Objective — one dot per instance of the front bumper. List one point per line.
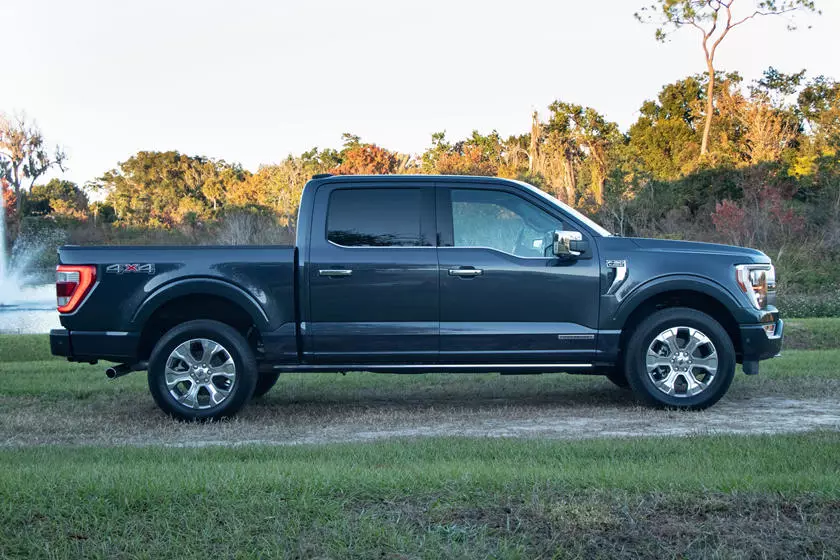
(757, 344)
(89, 346)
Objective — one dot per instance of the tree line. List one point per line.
(773, 145)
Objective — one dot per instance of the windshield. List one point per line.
(568, 209)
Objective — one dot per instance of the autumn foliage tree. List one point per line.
(477, 155)
(24, 155)
(7, 202)
(714, 20)
(366, 159)
(278, 187)
(588, 133)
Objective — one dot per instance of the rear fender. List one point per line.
(200, 286)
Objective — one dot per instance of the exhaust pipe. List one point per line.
(124, 369)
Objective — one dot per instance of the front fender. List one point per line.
(200, 286)
(623, 308)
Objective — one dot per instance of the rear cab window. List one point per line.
(376, 217)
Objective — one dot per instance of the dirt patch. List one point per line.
(123, 420)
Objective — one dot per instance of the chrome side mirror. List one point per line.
(568, 244)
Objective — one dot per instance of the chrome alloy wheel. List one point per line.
(200, 373)
(681, 362)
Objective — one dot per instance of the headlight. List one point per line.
(758, 281)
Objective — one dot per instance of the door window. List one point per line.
(374, 217)
(503, 221)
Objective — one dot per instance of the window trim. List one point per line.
(502, 252)
(334, 244)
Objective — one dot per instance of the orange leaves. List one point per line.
(366, 159)
(470, 161)
(8, 195)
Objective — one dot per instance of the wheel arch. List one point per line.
(693, 293)
(192, 299)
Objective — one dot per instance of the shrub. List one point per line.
(810, 305)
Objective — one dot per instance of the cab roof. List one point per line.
(327, 177)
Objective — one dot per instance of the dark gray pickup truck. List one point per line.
(408, 274)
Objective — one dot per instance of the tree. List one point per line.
(366, 159)
(58, 197)
(708, 16)
(769, 125)
(587, 131)
(278, 187)
(477, 155)
(819, 103)
(666, 138)
(24, 156)
(7, 212)
(164, 189)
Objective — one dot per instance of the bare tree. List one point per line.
(714, 20)
(24, 156)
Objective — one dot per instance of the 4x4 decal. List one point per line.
(131, 268)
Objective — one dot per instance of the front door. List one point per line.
(504, 296)
(373, 275)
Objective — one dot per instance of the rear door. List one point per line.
(504, 296)
(373, 274)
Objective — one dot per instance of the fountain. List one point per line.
(2, 234)
(27, 305)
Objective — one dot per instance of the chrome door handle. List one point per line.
(334, 273)
(466, 272)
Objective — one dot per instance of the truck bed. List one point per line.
(133, 283)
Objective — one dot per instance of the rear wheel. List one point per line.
(265, 382)
(202, 370)
(680, 358)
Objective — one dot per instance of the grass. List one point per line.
(428, 498)
(701, 496)
(812, 334)
(25, 348)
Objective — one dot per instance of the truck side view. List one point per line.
(416, 274)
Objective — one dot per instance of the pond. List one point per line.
(28, 310)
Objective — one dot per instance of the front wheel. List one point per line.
(617, 376)
(680, 358)
(202, 370)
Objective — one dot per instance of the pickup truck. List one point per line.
(417, 274)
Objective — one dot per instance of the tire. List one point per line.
(228, 376)
(265, 381)
(651, 363)
(617, 376)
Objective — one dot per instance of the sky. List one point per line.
(251, 81)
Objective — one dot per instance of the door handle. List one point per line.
(334, 273)
(466, 272)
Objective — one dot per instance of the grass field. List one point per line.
(724, 496)
(436, 498)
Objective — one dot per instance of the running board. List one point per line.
(429, 368)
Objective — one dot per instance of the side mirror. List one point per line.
(569, 244)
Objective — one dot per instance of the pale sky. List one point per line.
(254, 80)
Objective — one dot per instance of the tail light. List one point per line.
(72, 284)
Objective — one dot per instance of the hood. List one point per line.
(694, 247)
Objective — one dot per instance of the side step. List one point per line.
(430, 368)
